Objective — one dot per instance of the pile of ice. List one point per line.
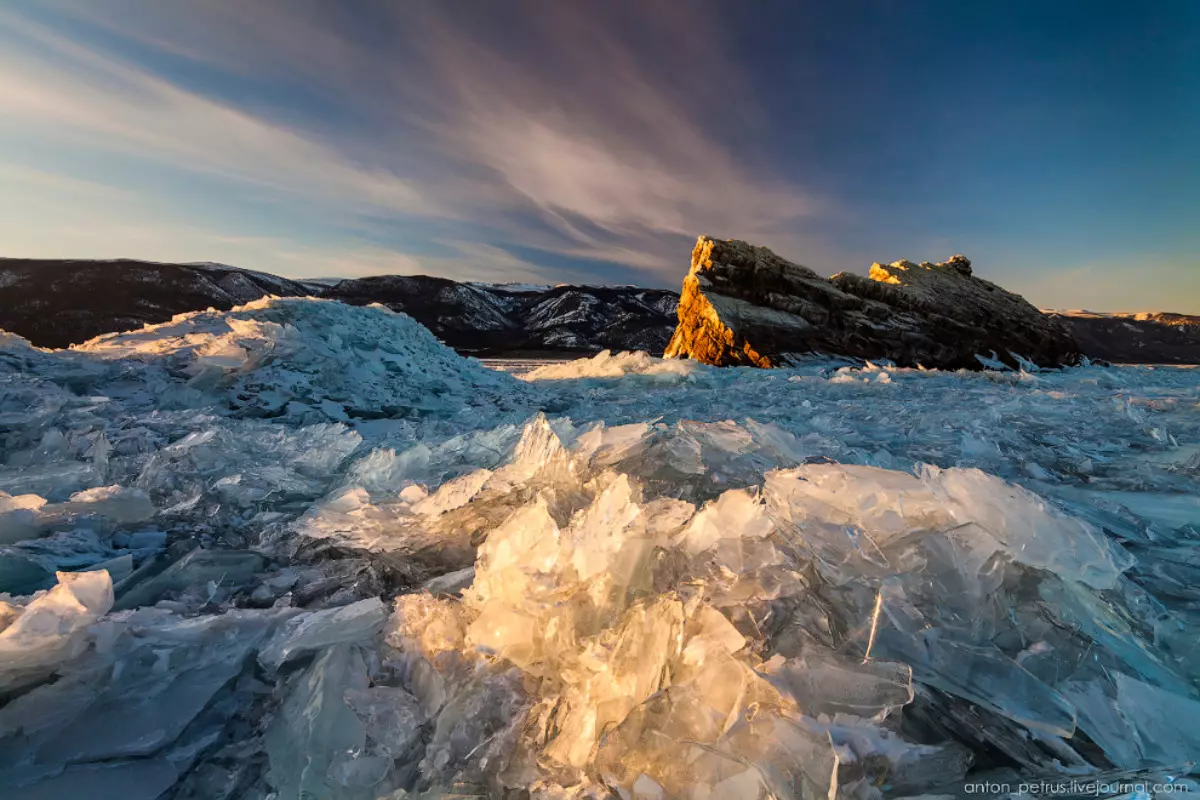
(300, 356)
(215, 425)
(251, 555)
(778, 641)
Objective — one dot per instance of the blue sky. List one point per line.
(1056, 144)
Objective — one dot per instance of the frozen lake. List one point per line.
(302, 549)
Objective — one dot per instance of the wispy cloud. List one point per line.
(527, 139)
(23, 179)
(56, 88)
(606, 157)
(622, 157)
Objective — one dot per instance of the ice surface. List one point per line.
(301, 549)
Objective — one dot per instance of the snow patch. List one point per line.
(605, 364)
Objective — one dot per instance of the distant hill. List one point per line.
(493, 319)
(58, 303)
(1143, 338)
(55, 303)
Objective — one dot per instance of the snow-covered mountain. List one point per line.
(56, 303)
(490, 319)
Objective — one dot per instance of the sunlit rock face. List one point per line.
(745, 306)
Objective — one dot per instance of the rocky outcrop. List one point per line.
(744, 305)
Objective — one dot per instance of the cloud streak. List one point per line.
(601, 158)
(618, 154)
(54, 87)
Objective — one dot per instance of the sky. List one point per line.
(1056, 144)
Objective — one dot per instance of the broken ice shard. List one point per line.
(194, 571)
(982, 675)
(319, 630)
(50, 627)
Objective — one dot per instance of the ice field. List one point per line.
(302, 550)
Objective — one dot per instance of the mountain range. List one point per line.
(56, 303)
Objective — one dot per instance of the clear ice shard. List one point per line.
(147, 723)
(323, 629)
(982, 675)
(160, 687)
(118, 503)
(127, 780)
(1136, 723)
(21, 574)
(19, 517)
(1166, 725)
(822, 684)
(195, 571)
(857, 511)
(316, 743)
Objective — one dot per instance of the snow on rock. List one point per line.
(479, 317)
(562, 310)
(1135, 338)
(56, 303)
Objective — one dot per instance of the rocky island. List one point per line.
(743, 305)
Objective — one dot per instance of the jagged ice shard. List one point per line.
(301, 549)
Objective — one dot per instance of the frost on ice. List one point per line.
(300, 549)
